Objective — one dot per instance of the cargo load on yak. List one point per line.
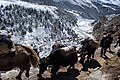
(6, 44)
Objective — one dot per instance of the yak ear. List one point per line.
(47, 60)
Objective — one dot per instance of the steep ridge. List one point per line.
(106, 24)
(90, 9)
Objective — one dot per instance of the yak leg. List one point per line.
(92, 55)
(82, 58)
(27, 70)
(19, 75)
(71, 67)
(72, 60)
(54, 70)
(93, 52)
(89, 56)
(27, 73)
(42, 68)
(0, 75)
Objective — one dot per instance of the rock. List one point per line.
(106, 24)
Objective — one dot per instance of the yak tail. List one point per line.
(34, 59)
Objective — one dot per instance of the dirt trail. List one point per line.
(96, 69)
(110, 68)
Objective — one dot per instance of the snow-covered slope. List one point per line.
(90, 2)
(114, 2)
(78, 2)
(93, 8)
(90, 9)
(40, 26)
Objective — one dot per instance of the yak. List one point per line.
(89, 47)
(61, 57)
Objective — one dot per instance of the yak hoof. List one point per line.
(41, 78)
(53, 76)
(0, 79)
(39, 75)
(19, 78)
(27, 75)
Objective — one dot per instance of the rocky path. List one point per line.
(96, 69)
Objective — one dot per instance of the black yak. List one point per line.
(89, 47)
(61, 57)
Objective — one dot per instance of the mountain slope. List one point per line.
(91, 9)
(41, 26)
(106, 24)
